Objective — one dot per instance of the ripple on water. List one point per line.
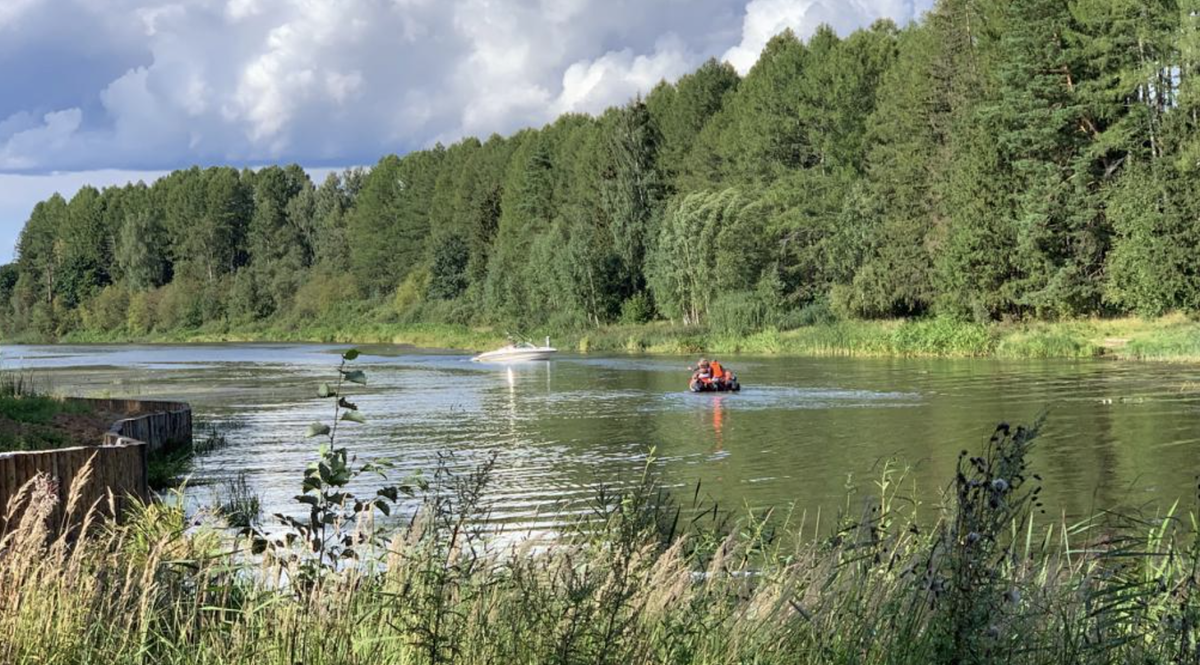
(561, 430)
(785, 397)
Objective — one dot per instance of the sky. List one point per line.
(105, 92)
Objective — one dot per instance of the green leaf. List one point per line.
(350, 354)
(326, 391)
(317, 429)
(355, 376)
(355, 417)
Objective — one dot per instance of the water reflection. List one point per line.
(718, 420)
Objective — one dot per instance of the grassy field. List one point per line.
(642, 580)
(1174, 338)
(27, 418)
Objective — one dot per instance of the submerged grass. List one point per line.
(167, 467)
(639, 581)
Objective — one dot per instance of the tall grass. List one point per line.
(737, 326)
(641, 580)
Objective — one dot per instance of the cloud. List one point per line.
(590, 86)
(160, 84)
(767, 18)
(52, 135)
(11, 10)
(109, 91)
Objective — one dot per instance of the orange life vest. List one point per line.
(718, 372)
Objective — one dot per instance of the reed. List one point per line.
(813, 331)
(642, 579)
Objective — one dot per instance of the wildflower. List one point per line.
(972, 538)
(1000, 485)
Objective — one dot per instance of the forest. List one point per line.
(1002, 160)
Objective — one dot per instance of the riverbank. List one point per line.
(1173, 338)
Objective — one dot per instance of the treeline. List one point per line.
(997, 160)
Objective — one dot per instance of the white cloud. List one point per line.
(143, 86)
(767, 18)
(52, 135)
(168, 83)
(590, 86)
(11, 10)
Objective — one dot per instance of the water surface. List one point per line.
(803, 432)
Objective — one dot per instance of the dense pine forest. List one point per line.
(999, 160)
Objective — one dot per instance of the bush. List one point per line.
(107, 311)
(817, 313)
(323, 293)
(139, 317)
(249, 299)
(411, 291)
(739, 313)
(178, 306)
(638, 308)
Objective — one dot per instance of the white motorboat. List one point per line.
(518, 352)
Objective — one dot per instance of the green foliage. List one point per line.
(142, 251)
(991, 162)
(738, 314)
(638, 308)
(1154, 266)
(27, 418)
(412, 291)
(448, 274)
(709, 243)
(108, 310)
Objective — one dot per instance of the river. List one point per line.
(802, 433)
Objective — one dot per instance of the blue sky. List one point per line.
(111, 91)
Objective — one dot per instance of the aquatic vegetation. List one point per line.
(166, 467)
(239, 504)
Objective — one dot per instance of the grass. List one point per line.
(27, 417)
(1173, 338)
(241, 506)
(640, 580)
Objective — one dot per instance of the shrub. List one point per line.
(638, 308)
(323, 293)
(411, 291)
(816, 313)
(107, 310)
(178, 306)
(737, 314)
(139, 317)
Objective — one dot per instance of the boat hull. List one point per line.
(699, 386)
(514, 356)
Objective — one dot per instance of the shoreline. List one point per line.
(1168, 339)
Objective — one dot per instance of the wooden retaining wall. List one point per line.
(119, 461)
(158, 424)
